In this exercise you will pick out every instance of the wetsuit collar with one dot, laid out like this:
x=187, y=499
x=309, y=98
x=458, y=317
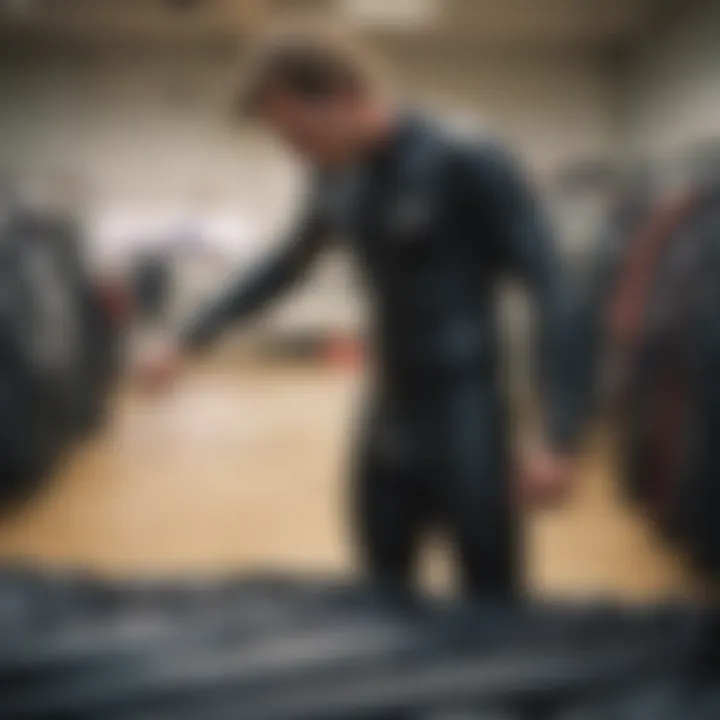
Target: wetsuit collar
x=405, y=128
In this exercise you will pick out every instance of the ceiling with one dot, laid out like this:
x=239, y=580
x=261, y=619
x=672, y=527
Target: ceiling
x=592, y=23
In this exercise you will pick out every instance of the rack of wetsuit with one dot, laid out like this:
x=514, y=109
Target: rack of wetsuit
x=658, y=307
x=289, y=648
x=59, y=347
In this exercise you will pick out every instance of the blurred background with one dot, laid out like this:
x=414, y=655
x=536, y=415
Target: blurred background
x=117, y=146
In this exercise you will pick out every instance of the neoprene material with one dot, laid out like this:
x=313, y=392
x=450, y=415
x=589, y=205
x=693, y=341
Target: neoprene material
x=292, y=648
x=435, y=223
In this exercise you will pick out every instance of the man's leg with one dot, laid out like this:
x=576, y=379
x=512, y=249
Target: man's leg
x=387, y=507
x=474, y=476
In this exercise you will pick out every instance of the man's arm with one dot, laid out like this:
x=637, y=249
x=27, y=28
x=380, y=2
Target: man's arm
x=512, y=220
x=252, y=291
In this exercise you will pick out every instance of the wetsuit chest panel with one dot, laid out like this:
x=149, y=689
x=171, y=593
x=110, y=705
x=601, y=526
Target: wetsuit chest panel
x=399, y=220
x=427, y=287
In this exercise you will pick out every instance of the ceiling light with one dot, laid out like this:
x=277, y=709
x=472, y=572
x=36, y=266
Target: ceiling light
x=390, y=12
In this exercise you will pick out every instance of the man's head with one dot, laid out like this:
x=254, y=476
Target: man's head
x=318, y=93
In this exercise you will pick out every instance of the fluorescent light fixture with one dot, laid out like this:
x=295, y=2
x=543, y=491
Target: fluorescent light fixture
x=390, y=12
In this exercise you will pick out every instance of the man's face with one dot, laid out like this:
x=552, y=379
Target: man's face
x=320, y=131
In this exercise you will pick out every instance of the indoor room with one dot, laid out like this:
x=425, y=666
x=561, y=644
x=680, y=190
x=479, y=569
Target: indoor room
x=516, y=336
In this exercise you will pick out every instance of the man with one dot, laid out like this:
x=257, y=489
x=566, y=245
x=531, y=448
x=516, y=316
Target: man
x=434, y=223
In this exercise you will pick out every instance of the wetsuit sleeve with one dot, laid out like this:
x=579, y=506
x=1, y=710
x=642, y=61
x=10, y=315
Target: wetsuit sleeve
x=253, y=290
x=513, y=223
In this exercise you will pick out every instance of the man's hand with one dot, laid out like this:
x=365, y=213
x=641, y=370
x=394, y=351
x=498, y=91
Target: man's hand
x=158, y=368
x=546, y=478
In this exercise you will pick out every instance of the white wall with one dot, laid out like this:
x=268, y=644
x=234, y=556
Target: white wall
x=153, y=125
x=137, y=129
x=554, y=107
x=143, y=128
x=673, y=99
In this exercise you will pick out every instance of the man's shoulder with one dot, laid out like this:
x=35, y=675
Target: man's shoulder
x=480, y=156
x=437, y=147
x=471, y=148
x=458, y=136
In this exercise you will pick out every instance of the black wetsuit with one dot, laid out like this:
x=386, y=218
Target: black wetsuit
x=434, y=223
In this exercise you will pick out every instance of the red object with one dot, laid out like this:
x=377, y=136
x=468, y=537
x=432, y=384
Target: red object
x=634, y=286
x=344, y=352
x=627, y=312
x=117, y=300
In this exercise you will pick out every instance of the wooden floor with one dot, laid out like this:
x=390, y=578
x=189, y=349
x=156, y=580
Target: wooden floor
x=241, y=470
